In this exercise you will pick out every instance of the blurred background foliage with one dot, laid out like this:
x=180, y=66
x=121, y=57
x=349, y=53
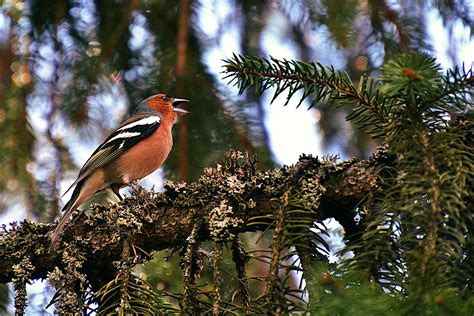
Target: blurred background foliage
x=71, y=70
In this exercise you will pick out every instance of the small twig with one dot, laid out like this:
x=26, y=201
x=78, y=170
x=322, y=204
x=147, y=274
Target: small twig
x=240, y=258
x=189, y=257
x=274, y=287
x=23, y=272
x=217, y=267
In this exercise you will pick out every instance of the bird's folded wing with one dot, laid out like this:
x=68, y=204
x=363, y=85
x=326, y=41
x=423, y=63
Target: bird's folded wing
x=124, y=137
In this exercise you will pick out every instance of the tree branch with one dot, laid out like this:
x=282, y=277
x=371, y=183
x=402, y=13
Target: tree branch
x=290, y=72
x=156, y=221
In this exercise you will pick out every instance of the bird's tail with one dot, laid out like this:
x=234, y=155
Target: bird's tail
x=68, y=210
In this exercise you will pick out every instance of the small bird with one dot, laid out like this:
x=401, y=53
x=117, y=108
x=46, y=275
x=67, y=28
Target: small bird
x=136, y=148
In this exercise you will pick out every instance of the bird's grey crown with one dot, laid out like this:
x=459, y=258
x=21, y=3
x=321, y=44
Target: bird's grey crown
x=143, y=107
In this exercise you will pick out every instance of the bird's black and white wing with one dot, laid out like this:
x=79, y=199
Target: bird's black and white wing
x=124, y=137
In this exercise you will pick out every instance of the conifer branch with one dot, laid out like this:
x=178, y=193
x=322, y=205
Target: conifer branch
x=456, y=83
x=320, y=84
x=313, y=78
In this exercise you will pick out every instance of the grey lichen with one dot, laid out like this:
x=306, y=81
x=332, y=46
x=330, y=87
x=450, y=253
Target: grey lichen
x=217, y=269
x=19, y=245
x=124, y=267
x=310, y=188
x=222, y=220
x=250, y=204
x=67, y=302
x=241, y=257
x=120, y=220
x=274, y=286
x=69, y=281
x=190, y=264
x=22, y=272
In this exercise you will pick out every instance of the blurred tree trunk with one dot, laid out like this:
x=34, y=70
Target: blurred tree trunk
x=255, y=14
x=5, y=70
x=181, y=52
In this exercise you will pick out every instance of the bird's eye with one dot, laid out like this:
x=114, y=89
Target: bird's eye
x=165, y=98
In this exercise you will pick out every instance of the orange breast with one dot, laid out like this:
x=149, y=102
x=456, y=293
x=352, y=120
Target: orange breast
x=146, y=156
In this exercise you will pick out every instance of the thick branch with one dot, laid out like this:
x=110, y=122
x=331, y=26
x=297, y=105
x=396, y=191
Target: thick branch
x=156, y=221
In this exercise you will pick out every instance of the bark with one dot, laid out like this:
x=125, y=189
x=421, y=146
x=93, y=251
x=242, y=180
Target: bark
x=232, y=193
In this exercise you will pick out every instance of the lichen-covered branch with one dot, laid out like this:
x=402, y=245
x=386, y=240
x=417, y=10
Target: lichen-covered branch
x=190, y=259
x=156, y=221
x=241, y=258
x=217, y=268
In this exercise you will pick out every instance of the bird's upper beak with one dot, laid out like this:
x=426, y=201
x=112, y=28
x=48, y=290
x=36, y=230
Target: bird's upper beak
x=177, y=102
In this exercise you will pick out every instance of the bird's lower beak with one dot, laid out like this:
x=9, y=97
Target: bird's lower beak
x=178, y=111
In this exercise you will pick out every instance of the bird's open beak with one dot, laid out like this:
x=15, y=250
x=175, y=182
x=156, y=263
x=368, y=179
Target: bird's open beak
x=180, y=111
x=177, y=102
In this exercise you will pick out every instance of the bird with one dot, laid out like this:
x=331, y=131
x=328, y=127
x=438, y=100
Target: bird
x=134, y=149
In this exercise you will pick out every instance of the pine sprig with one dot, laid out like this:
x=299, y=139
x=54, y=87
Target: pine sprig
x=458, y=90
x=322, y=84
x=129, y=294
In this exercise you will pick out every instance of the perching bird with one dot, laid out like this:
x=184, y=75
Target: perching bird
x=136, y=148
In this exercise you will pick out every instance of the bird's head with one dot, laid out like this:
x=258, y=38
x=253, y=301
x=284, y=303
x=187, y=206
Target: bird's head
x=163, y=104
